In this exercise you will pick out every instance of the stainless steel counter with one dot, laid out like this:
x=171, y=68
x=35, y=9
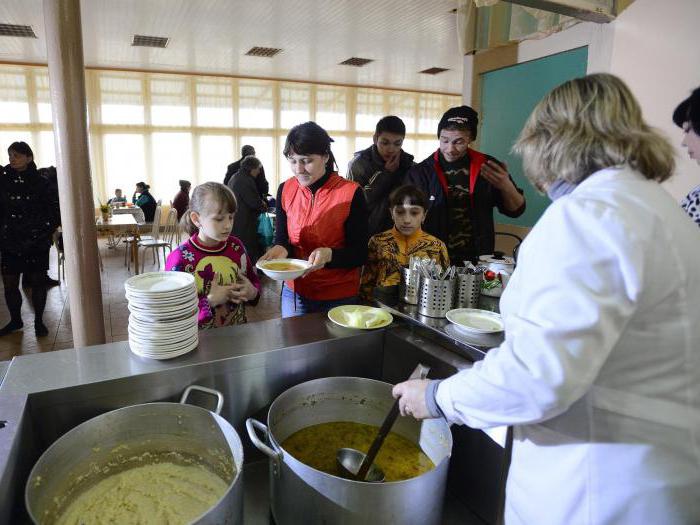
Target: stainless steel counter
x=472, y=347
x=44, y=395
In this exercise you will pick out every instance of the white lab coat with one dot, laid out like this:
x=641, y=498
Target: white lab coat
x=600, y=368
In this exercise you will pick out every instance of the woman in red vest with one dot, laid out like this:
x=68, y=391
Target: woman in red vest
x=321, y=217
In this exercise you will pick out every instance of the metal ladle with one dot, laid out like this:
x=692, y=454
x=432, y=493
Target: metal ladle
x=353, y=464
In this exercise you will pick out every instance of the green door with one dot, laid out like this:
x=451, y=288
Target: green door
x=508, y=96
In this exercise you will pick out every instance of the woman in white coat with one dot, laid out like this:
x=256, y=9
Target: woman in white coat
x=599, y=373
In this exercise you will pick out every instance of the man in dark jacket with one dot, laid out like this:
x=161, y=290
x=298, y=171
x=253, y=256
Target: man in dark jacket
x=380, y=169
x=260, y=181
x=463, y=186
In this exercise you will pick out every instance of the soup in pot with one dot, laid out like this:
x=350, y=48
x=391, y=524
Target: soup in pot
x=165, y=493
x=318, y=445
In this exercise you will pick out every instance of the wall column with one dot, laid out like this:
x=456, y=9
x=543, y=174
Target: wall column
x=64, y=44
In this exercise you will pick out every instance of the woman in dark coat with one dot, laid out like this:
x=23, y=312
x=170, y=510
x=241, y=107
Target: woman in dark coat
x=145, y=201
x=28, y=217
x=250, y=205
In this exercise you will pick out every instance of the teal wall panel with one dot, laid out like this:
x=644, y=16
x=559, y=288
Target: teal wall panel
x=508, y=96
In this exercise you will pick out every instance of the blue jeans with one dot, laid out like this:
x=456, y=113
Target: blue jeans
x=309, y=306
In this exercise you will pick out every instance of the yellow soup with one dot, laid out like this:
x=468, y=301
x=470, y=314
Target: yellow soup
x=318, y=445
x=282, y=266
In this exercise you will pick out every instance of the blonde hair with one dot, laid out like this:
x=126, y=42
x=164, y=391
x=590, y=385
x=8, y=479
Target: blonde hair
x=588, y=124
x=205, y=197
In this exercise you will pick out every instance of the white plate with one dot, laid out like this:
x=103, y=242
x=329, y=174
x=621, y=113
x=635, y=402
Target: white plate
x=163, y=309
x=163, y=338
x=158, y=282
x=157, y=332
x=475, y=321
x=284, y=275
x=164, y=346
x=358, y=316
x=165, y=355
x=190, y=294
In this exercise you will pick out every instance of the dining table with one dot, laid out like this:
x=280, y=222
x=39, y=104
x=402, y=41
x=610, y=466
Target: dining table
x=124, y=224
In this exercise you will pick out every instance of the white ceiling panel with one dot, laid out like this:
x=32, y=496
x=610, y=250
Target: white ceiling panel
x=403, y=37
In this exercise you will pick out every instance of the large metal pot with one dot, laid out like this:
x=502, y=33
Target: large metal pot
x=79, y=458
x=302, y=494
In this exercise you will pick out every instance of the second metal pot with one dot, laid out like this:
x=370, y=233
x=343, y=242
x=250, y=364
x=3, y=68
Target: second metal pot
x=302, y=494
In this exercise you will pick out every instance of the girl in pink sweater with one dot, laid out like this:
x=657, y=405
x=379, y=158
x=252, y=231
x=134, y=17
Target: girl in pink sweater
x=225, y=276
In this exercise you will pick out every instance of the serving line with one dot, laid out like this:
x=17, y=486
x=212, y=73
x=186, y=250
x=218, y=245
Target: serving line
x=45, y=395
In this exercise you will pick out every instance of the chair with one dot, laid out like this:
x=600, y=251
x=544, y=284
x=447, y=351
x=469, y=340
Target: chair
x=58, y=243
x=166, y=242
x=155, y=232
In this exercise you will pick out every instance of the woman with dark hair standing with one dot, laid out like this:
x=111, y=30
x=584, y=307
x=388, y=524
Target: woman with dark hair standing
x=250, y=205
x=145, y=200
x=28, y=217
x=321, y=217
x=687, y=117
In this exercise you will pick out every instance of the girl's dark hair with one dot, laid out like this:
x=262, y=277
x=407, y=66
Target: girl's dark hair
x=689, y=111
x=248, y=164
x=143, y=185
x=415, y=196
x=22, y=148
x=390, y=124
x=310, y=139
x=184, y=184
x=204, y=197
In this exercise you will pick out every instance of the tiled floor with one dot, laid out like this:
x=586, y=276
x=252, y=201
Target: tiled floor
x=116, y=314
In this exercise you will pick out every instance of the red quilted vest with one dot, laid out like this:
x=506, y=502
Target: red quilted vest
x=317, y=221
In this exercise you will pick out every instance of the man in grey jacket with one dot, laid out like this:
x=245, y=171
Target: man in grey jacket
x=381, y=168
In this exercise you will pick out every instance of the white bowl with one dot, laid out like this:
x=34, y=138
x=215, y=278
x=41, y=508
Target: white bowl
x=284, y=275
x=475, y=321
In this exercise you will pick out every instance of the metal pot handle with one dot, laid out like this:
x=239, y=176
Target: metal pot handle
x=219, y=396
x=252, y=425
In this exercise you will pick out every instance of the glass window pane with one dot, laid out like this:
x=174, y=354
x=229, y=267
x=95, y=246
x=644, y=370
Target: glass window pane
x=215, y=154
x=214, y=103
x=331, y=107
x=294, y=104
x=122, y=99
x=46, y=151
x=425, y=148
x=172, y=161
x=255, y=104
x=370, y=108
x=340, y=149
x=170, y=102
x=125, y=162
x=403, y=105
x=43, y=97
x=14, y=100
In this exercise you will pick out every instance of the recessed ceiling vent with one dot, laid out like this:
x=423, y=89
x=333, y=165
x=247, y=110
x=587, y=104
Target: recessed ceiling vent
x=357, y=62
x=267, y=52
x=150, y=41
x=434, y=70
x=15, y=30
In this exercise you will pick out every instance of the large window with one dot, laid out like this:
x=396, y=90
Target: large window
x=159, y=128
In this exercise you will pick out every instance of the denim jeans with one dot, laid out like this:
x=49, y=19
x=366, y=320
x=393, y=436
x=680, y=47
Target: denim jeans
x=309, y=306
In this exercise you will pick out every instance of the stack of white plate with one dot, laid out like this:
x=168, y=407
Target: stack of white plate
x=163, y=320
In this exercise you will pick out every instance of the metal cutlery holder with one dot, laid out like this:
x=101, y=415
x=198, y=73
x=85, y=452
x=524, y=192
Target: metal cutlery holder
x=436, y=297
x=468, y=290
x=409, y=289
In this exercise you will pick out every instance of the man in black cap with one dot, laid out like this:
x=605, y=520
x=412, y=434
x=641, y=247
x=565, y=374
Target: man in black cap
x=463, y=186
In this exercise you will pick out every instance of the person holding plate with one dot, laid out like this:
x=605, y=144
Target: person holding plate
x=322, y=218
